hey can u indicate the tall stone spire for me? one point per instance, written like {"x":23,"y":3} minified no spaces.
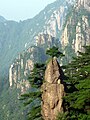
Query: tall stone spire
{"x":53,"y":91}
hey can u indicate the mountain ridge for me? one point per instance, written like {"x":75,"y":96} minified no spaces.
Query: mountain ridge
{"x":17,"y":36}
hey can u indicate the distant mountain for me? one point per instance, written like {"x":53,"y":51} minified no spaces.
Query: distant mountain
{"x":2,"y":19}
{"x":17,"y":36}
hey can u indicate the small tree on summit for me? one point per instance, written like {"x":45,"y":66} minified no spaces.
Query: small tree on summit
{"x":54,"y":52}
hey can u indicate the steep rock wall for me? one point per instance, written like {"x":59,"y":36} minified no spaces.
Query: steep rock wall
{"x":20,"y":69}
{"x":76,"y":32}
{"x":84,"y":3}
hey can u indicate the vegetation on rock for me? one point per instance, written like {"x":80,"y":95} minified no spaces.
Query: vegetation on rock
{"x":78,"y":88}
{"x":54,"y":52}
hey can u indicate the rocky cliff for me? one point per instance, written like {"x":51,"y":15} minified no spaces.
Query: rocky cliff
{"x":76,"y":33}
{"x":18,"y":36}
{"x":84,"y":3}
{"x":19,"y":70}
{"x":22,"y":66}
{"x":45,"y":38}
{"x":53,"y":91}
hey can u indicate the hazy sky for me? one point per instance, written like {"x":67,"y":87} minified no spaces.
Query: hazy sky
{"x":22,"y":9}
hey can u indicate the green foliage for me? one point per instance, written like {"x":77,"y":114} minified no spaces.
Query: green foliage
{"x":54,"y":52}
{"x":11,"y":107}
{"x":62,"y":116}
{"x":78,"y":88}
{"x":33,"y":98}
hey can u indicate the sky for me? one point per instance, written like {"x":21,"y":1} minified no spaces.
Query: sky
{"x":22,"y":9}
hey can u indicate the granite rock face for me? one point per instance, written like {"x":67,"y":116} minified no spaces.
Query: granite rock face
{"x":53,"y":91}
{"x":84,"y":3}
{"x":76,"y":33}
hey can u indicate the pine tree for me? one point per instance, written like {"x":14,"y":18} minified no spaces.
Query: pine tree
{"x":78,"y":84}
{"x":54,"y":52}
{"x":33,"y":98}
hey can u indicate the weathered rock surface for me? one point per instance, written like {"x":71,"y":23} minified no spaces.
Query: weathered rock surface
{"x":85,"y":4}
{"x":53,"y":91}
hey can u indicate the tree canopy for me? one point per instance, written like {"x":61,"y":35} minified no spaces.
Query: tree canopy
{"x":33,"y":98}
{"x":54,"y":52}
{"x":78,"y":88}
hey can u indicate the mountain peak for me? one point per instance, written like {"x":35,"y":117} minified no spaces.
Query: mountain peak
{"x":2,"y":19}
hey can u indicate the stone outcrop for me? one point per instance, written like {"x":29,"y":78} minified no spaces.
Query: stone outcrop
{"x":76,"y":33}
{"x":84,"y":3}
{"x":64,"y":41}
{"x":54,"y":25}
{"x":43,"y":39}
{"x":53,"y":91}
{"x":20,"y":69}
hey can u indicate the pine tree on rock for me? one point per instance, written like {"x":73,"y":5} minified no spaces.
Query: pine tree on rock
{"x":54,"y":52}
